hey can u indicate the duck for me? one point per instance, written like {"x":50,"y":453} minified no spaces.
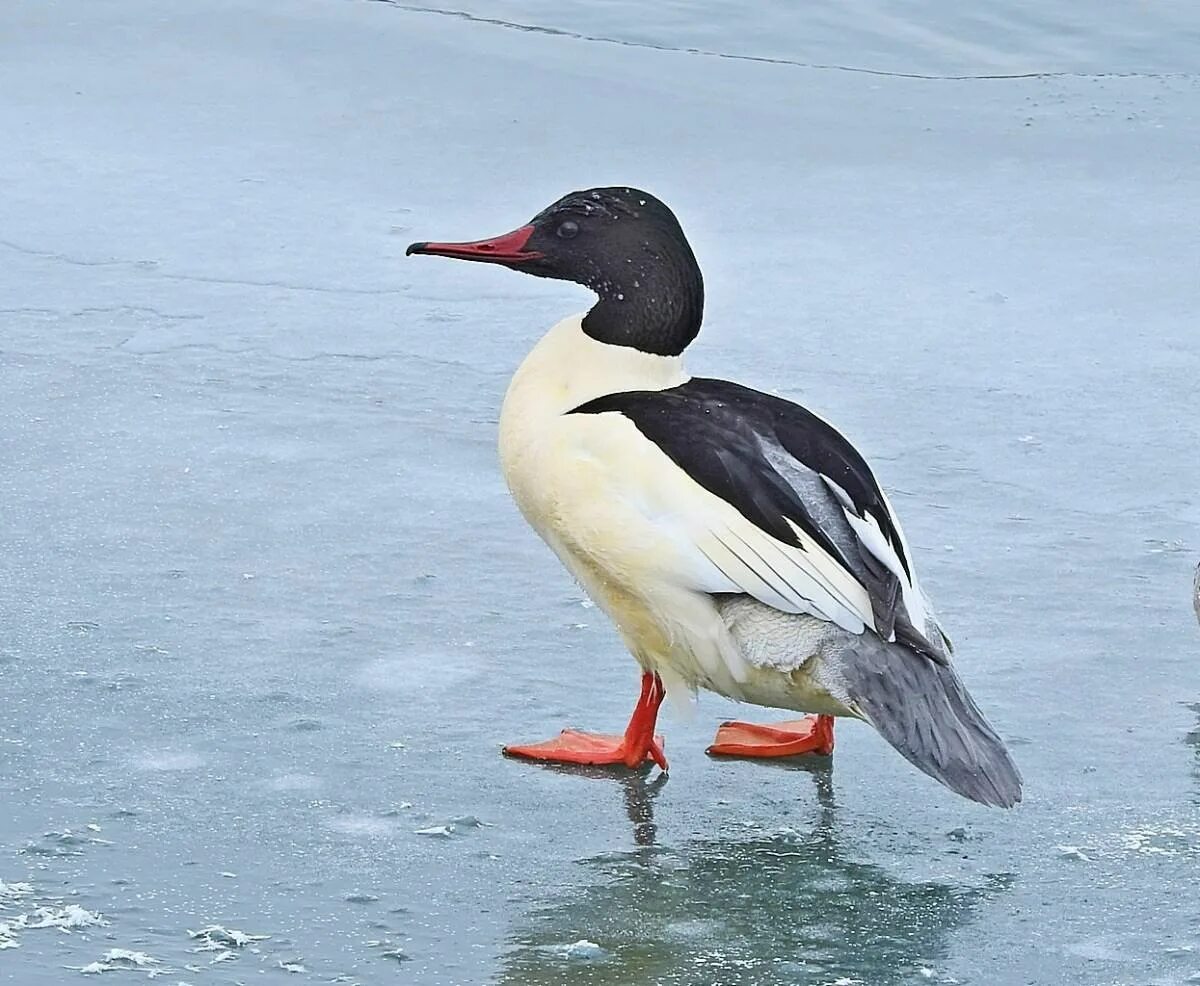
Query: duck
{"x":737,"y":541}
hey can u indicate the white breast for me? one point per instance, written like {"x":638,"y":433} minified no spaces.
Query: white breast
{"x":544,"y":462}
{"x":568,"y":368}
{"x":570,"y":475}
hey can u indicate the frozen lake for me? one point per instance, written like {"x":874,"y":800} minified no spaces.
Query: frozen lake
{"x":267,"y":612}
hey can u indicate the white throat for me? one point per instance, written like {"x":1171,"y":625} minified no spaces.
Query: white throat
{"x":568,"y":368}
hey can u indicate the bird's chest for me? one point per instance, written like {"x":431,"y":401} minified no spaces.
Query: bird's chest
{"x":578,"y":478}
{"x":565,"y":473}
{"x":566,"y":480}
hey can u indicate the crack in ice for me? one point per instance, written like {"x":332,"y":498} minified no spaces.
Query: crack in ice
{"x":150,"y":267}
{"x":769,"y":59}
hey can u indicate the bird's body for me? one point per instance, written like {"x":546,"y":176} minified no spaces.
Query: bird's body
{"x":615,"y":509}
{"x":739,"y":543}
{"x":602,"y":495}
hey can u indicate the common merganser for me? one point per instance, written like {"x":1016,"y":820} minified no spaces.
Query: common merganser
{"x":739,"y":542}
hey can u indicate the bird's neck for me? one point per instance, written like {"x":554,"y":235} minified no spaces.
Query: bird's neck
{"x":654,"y":304}
{"x":569,"y":367}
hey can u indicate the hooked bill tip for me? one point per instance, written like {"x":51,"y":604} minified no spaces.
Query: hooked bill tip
{"x":414,"y":248}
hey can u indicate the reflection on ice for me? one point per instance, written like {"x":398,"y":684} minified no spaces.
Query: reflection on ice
{"x":1192,"y":739}
{"x":797,"y":907}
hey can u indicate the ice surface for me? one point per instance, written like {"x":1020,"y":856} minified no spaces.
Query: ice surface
{"x":267,"y":609}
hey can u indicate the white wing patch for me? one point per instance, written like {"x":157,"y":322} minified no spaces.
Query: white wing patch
{"x":793,"y":580}
{"x":870,"y":536}
{"x":646,"y":524}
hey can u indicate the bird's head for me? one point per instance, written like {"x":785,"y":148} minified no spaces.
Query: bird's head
{"x":623,"y":244}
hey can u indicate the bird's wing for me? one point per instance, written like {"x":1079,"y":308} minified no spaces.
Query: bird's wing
{"x":810,"y":531}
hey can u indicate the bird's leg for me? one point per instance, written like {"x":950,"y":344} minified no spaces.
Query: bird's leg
{"x":812,"y":734}
{"x":637,"y":745}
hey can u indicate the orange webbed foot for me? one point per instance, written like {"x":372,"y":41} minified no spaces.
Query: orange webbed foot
{"x":812,"y":734}
{"x":639,"y":743}
{"x":598,"y":749}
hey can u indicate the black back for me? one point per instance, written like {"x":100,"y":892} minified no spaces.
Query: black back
{"x":718,"y":432}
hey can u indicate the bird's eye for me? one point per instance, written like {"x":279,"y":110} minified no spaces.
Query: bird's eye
{"x":568,"y":230}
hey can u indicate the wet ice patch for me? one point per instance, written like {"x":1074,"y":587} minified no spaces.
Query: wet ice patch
{"x":295,"y":782}
{"x":1099,"y":950}
{"x":362,"y":825}
{"x":693,"y":930}
{"x":1161,"y":840}
{"x":166,"y":761}
{"x":396,"y":674}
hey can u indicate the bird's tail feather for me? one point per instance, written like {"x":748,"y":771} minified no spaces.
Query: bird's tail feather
{"x":924,"y":711}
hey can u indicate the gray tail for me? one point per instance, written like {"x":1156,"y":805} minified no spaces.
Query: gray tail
{"x":924,"y":711}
